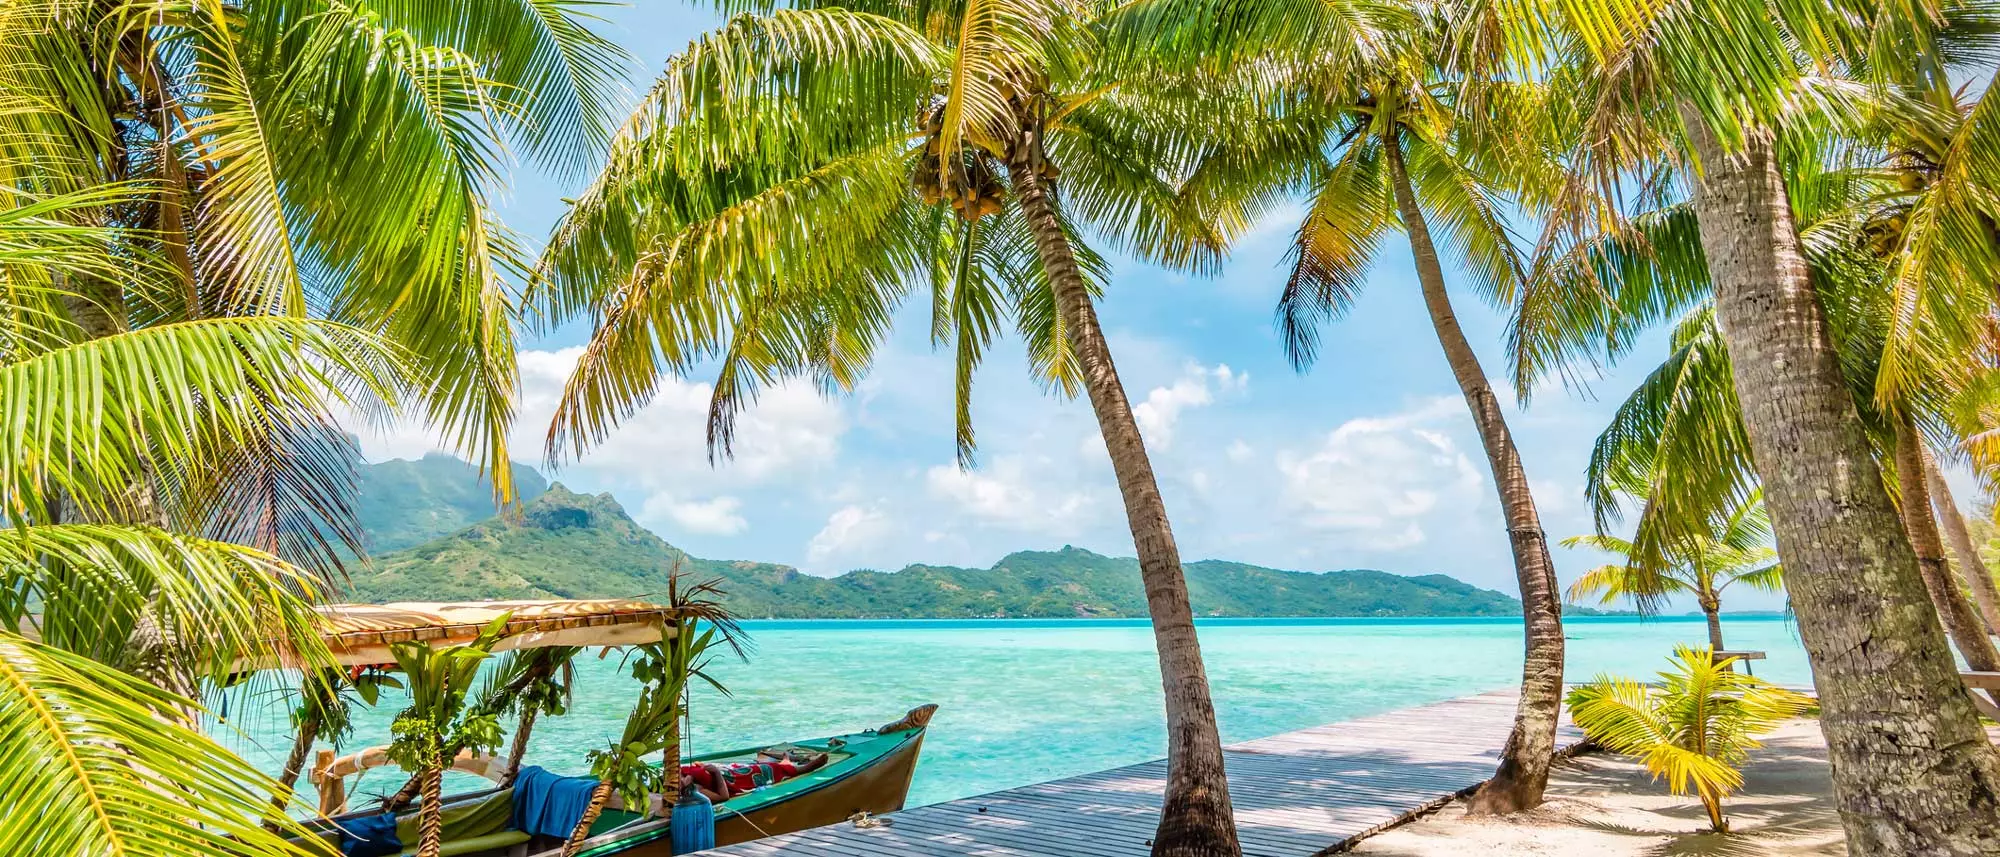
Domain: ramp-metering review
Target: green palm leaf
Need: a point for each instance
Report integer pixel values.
(129, 777)
(184, 394)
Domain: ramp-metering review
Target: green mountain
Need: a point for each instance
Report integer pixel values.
(405, 503)
(568, 545)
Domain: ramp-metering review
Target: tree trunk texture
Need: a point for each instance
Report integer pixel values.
(1960, 622)
(1524, 764)
(430, 814)
(295, 764)
(1913, 774)
(1970, 564)
(519, 749)
(598, 798)
(1196, 819)
(670, 766)
(1711, 609)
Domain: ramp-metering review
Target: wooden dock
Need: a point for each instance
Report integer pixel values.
(1297, 794)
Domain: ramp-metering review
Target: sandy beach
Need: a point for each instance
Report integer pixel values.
(1601, 804)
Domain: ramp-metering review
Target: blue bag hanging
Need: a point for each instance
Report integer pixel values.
(694, 823)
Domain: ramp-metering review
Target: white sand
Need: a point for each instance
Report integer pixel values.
(1607, 805)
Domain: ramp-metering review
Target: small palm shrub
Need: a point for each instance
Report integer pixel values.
(1692, 728)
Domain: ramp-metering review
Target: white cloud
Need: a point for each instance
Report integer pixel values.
(1196, 388)
(1239, 451)
(789, 429)
(849, 532)
(715, 516)
(1032, 494)
(1374, 481)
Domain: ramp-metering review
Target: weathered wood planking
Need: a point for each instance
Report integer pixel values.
(1297, 794)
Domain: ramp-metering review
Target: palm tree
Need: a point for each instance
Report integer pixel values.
(221, 225)
(308, 157)
(773, 201)
(1389, 143)
(1733, 550)
(83, 569)
(1850, 570)
(438, 723)
(1694, 727)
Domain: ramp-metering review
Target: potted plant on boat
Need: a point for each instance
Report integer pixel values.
(663, 669)
(428, 734)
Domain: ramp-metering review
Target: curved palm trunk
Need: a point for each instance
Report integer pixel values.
(1195, 818)
(295, 763)
(1912, 772)
(430, 814)
(519, 749)
(1531, 747)
(1960, 622)
(1977, 576)
(599, 796)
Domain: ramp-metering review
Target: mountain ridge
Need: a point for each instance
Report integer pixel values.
(563, 544)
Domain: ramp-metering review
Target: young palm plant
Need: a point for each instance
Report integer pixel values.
(795, 175)
(701, 627)
(1733, 549)
(427, 735)
(1693, 728)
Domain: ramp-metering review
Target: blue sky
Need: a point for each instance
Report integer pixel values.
(1370, 461)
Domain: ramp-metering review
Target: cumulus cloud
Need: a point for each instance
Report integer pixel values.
(715, 516)
(1160, 412)
(791, 428)
(1373, 481)
(1031, 494)
(851, 531)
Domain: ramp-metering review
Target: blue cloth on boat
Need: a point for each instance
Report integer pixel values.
(549, 804)
(694, 823)
(370, 836)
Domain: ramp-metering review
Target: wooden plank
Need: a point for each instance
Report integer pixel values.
(1980, 680)
(1296, 795)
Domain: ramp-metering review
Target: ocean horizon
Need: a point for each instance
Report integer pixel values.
(1028, 700)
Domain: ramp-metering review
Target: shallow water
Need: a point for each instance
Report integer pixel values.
(1022, 701)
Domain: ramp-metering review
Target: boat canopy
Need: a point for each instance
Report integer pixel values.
(360, 634)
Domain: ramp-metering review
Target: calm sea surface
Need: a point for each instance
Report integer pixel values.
(1029, 700)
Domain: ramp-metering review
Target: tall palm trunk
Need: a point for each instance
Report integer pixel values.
(1978, 577)
(1195, 817)
(430, 814)
(1912, 772)
(1524, 763)
(1960, 622)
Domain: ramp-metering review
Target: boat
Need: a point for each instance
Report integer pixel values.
(867, 772)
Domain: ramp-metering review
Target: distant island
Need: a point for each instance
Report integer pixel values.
(422, 519)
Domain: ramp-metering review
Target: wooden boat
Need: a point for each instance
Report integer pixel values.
(867, 771)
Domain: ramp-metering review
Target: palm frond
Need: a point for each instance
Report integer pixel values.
(131, 777)
(93, 417)
(222, 606)
(1335, 246)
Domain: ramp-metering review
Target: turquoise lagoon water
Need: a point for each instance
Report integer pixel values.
(1022, 701)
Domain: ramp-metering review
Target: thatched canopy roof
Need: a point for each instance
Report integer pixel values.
(360, 634)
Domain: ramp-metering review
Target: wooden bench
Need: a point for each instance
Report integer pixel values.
(1976, 681)
(1743, 657)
